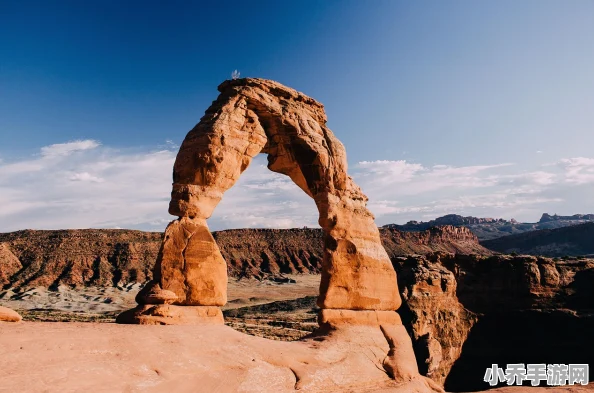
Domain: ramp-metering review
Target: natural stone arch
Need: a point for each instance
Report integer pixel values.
(249, 117)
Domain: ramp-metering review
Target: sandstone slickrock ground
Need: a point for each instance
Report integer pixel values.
(525, 309)
(69, 357)
(112, 358)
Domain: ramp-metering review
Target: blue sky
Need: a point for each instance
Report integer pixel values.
(481, 108)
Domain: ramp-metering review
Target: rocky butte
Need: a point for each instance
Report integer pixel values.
(119, 257)
(358, 283)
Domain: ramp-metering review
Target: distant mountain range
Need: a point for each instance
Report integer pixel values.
(493, 228)
(575, 240)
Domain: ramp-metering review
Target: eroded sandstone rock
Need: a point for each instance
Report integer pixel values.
(400, 362)
(358, 284)
(192, 266)
(167, 314)
(439, 324)
(8, 315)
(254, 116)
(334, 319)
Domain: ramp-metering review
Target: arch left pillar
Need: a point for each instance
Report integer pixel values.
(190, 275)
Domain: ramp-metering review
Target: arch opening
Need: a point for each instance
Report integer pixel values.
(249, 117)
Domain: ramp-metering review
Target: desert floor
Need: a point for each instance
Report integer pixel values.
(67, 356)
(105, 357)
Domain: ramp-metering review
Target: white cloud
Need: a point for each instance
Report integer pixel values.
(390, 176)
(578, 170)
(64, 149)
(399, 171)
(85, 184)
(484, 190)
(85, 176)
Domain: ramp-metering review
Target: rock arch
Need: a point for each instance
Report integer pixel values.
(249, 117)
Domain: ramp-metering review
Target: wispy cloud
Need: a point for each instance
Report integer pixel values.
(578, 170)
(85, 184)
(85, 176)
(64, 149)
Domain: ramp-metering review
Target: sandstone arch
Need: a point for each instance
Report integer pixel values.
(249, 117)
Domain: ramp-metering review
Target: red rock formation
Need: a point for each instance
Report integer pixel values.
(438, 323)
(105, 257)
(9, 265)
(8, 315)
(465, 313)
(100, 257)
(449, 239)
(249, 117)
(358, 284)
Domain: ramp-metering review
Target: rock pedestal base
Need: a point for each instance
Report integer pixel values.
(335, 318)
(166, 314)
(380, 332)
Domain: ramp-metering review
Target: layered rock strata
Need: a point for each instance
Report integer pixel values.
(121, 257)
(466, 312)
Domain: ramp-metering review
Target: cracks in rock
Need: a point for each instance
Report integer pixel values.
(183, 268)
(297, 378)
(376, 361)
(385, 333)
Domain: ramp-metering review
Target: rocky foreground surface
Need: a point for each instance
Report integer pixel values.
(463, 313)
(116, 358)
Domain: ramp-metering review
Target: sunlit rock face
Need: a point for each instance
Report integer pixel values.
(8, 315)
(253, 116)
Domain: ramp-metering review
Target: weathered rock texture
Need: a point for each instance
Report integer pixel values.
(448, 239)
(358, 283)
(207, 358)
(10, 265)
(8, 315)
(108, 257)
(465, 313)
(90, 257)
(438, 323)
(253, 116)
